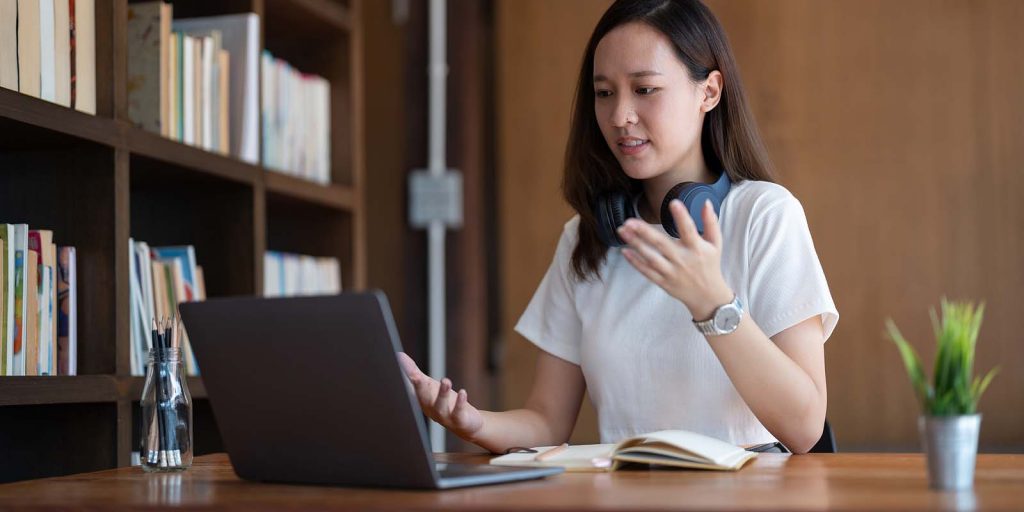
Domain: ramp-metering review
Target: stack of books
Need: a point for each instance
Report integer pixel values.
(161, 278)
(296, 121)
(38, 304)
(48, 50)
(289, 275)
(195, 80)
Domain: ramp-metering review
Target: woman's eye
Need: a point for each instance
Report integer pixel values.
(603, 94)
(644, 91)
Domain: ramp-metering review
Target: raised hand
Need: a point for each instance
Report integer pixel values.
(441, 403)
(689, 268)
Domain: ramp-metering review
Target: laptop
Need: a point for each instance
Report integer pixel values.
(309, 390)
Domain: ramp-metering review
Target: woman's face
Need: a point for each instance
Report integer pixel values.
(649, 110)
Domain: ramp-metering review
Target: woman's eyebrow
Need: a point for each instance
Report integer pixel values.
(635, 74)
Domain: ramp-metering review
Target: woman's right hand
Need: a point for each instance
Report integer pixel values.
(441, 403)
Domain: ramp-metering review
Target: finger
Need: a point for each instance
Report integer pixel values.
(642, 266)
(651, 255)
(712, 230)
(441, 407)
(664, 244)
(426, 390)
(409, 366)
(461, 408)
(684, 223)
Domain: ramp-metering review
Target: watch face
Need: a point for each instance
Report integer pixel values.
(727, 319)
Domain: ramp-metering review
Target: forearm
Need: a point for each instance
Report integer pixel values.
(778, 391)
(517, 427)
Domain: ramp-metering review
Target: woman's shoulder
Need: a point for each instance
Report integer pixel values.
(757, 197)
(570, 232)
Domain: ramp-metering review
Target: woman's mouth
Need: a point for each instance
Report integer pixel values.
(633, 146)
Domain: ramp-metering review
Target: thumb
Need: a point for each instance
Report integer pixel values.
(712, 230)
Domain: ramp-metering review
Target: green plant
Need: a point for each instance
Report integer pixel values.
(953, 392)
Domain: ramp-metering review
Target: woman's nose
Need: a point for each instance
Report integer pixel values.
(623, 115)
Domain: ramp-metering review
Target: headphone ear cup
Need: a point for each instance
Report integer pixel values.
(612, 210)
(667, 221)
(693, 196)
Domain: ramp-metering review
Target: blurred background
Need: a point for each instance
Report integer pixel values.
(898, 124)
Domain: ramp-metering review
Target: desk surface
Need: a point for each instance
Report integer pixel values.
(770, 482)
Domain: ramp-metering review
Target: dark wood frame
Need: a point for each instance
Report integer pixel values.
(97, 180)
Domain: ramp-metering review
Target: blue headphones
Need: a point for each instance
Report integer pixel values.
(614, 208)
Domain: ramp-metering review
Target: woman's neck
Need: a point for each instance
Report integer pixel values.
(657, 187)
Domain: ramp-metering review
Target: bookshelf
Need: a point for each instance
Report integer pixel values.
(98, 180)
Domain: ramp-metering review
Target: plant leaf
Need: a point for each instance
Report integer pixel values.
(912, 362)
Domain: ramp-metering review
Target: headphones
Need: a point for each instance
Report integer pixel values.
(612, 209)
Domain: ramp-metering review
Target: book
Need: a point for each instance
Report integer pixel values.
(673, 448)
(30, 322)
(240, 36)
(9, 45)
(67, 314)
(45, 364)
(85, 56)
(28, 47)
(7, 290)
(149, 32)
(16, 348)
(62, 52)
(3, 308)
(47, 59)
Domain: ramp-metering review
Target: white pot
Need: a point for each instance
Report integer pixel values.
(951, 444)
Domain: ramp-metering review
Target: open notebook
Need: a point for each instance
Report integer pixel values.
(677, 448)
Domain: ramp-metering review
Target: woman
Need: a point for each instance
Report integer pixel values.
(672, 316)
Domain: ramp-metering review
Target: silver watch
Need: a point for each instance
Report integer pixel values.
(725, 319)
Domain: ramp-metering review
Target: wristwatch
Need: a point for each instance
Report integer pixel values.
(725, 319)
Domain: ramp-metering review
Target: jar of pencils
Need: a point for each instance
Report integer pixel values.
(166, 433)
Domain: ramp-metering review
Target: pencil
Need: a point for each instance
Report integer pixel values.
(551, 453)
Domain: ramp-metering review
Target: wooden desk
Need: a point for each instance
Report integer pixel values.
(770, 482)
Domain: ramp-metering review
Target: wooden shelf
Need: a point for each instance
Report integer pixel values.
(289, 187)
(151, 145)
(58, 390)
(97, 180)
(31, 122)
(308, 19)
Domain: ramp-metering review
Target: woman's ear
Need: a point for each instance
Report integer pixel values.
(712, 88)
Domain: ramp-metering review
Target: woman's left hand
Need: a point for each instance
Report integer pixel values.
(689, 268)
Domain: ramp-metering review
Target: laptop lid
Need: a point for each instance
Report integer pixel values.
(309, 390)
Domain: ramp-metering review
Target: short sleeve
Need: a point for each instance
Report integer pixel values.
(787, 284)
(550, 320)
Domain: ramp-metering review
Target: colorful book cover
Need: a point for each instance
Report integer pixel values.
(3, 307)
(31, 319)
(45, 317)
(186, 254)
(20, 299)
(7, 288)
(67, 315)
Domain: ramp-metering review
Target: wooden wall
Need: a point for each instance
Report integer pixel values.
(899, 125)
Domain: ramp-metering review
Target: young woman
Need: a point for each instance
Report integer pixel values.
(673, 316)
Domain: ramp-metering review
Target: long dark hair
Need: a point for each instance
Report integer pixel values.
(729, 138)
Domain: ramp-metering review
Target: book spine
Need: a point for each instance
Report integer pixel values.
(21, 257)
(9, 44)
(85, 56)
(66, 312)
(62, 52)
(7, 289)
(28, 47)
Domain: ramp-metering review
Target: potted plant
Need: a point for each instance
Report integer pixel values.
(949, 422)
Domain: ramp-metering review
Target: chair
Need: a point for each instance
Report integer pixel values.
(827, 443)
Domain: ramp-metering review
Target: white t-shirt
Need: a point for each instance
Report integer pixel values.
(646, 366)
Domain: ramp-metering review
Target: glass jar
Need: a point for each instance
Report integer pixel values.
(166, 435)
